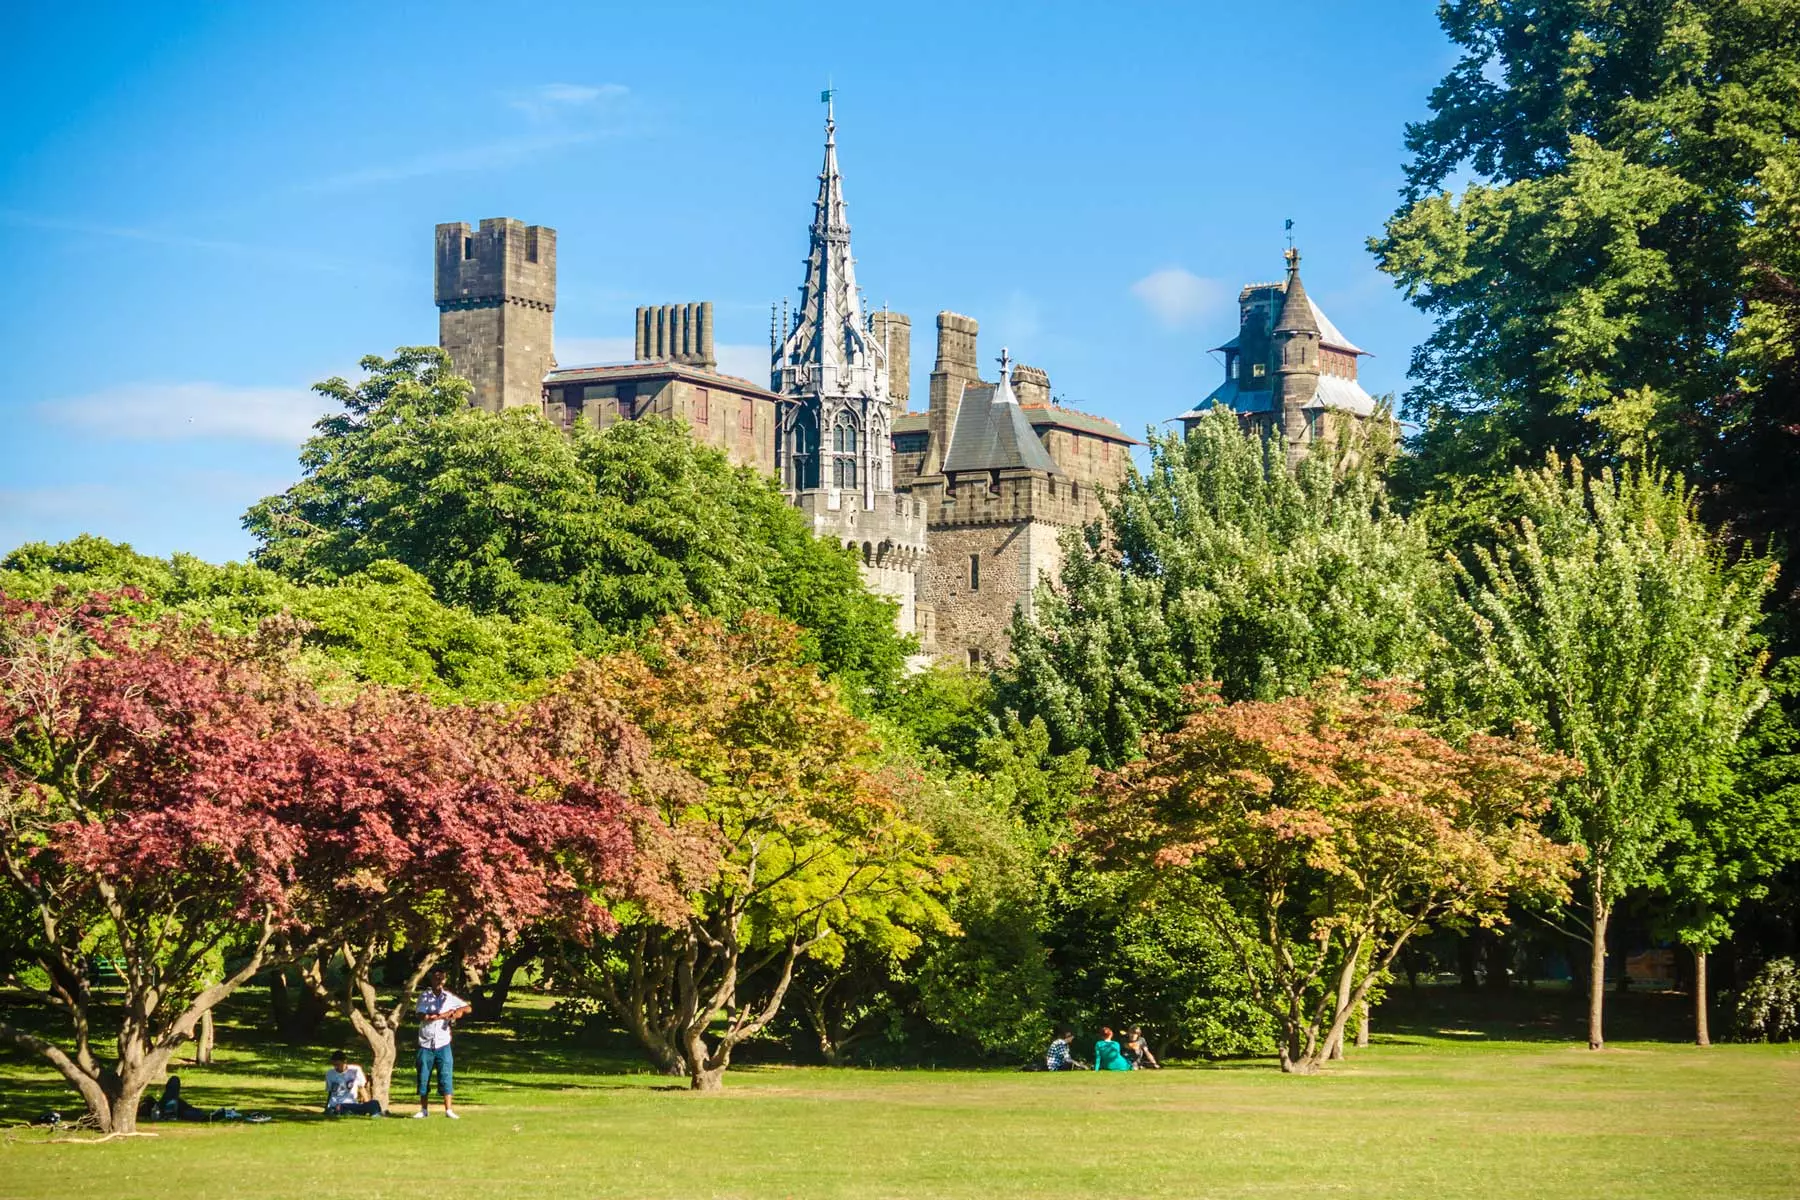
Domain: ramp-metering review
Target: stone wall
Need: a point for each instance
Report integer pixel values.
(955, 369)
(496, 297)
(970, 618)
(888, 536)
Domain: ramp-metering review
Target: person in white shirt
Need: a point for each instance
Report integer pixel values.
(438, 1008)
(342, 1083)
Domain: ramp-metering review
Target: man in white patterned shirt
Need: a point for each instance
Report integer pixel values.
(438, 1007)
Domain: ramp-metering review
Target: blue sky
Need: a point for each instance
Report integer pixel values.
(206, 208)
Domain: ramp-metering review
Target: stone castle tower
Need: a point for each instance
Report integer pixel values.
(496, 299)
(1289, 372)
(834, 441)
(1296, 336)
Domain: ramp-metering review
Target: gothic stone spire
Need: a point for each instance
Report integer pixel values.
(829, 335)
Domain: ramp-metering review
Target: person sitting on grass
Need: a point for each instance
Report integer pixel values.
(345, 1087)
(1061, 1055)
(1137, 1050)
(1107, 1056)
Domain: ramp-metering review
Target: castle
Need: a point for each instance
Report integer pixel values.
(1289, 372)
(956, 512)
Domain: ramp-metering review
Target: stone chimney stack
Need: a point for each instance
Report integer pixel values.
(956, 369)
(681, 333)
(894, 331)
(1031, 385)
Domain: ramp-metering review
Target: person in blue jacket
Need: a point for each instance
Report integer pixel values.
(1107, 1055)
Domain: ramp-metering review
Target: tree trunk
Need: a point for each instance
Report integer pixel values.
(1499, 959)
(1702, 1035)
(203, 1041)
(488, 1001)
(1466, 949)
(1346, 982)
(384, 1052)
(298, 1012)
(1597, 973)
(1362, 1025)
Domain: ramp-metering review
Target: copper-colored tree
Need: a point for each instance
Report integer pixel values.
(1317, 834)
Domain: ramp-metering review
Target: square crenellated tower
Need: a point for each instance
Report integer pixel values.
(496, 298)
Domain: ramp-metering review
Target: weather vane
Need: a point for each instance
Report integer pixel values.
(1289, 226)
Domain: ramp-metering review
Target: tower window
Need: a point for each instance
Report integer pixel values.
(974, 572)
(843, 472)
(974, 657)
(1258, 370)
(468, 247)
(702, 406)
(1231, 367)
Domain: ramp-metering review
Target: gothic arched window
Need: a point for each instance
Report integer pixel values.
(843, 445)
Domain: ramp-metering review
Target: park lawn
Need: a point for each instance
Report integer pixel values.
(1439, 1113)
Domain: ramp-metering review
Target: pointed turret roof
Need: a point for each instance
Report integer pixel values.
(1297, 312)
(828, 325)
(993, 433)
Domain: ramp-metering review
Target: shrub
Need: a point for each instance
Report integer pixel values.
(1769, 1009)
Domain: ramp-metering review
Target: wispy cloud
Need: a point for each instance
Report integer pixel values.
(549, 101)
(1178, 298)
(187, 411)
(560, 115)
(184, 241)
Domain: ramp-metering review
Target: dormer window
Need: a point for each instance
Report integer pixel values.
(1258, 370)
(1231, 367)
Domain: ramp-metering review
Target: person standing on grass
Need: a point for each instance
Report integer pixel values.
(344, 1085)
(438, 1008)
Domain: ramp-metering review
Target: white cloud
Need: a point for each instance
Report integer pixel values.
(183, 411)
(1178, 298)
(552, 99)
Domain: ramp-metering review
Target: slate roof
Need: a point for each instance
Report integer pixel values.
(1329, 334)
(1041, 417)
(1335, 392)
(659, 369)
(993, 433)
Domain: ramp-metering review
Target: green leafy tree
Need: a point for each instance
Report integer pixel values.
(793, 843)
(602, 532)
(1628, 166)
(1608, 619)
(1733, 834)
(1220, 562)
(381, 625)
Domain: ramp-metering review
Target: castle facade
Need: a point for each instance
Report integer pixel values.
(956, 512)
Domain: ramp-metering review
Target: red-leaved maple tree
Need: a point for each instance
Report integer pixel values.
(139, 831)
(1317, 834)
(440, 827)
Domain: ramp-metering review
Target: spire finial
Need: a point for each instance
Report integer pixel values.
(1005, 364)
(827, 98)
(1293, 257)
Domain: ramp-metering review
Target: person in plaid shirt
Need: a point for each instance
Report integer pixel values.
(1060, 1056)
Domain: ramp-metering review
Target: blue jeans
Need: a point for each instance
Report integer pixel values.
(445, 1062)
(351, 1108)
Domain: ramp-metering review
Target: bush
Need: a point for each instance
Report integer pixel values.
(1769, 1009)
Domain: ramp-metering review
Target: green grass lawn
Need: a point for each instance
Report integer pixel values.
(1438, 1108)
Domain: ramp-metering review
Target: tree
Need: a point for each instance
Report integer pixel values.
(1316, 834)
(1629, 165)
(381, 625)
(602, 532)
(1610, 621)
(794, 843)
(1221, 562)
(435, 828)
(1732, 834)
(141, 774)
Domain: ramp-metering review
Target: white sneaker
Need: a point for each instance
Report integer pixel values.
(420, 1115)
(451, 1113)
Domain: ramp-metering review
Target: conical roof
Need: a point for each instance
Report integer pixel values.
(993, 433)
(1297, 312)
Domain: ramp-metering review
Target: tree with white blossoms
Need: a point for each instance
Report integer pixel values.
(1606, 617)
